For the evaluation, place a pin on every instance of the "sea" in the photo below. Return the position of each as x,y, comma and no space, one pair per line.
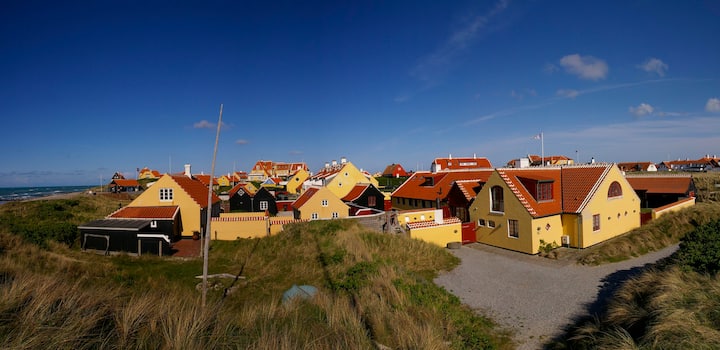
9,194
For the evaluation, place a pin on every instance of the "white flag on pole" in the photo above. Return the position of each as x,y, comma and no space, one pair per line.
538,136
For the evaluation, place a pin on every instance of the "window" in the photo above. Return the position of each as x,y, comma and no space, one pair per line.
544,191
615,190
335,215
496,198
481,222
314,216
263,205
513,228
491,224
372,201
324,203
596,222
166,194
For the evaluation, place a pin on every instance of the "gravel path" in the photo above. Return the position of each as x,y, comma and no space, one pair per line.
534,297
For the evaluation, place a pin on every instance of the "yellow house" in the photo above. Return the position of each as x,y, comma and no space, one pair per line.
429,225
146,173
319,203
225,181
188,193
296,180
340,178
576,206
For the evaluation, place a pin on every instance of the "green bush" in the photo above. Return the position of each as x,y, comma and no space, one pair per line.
700,248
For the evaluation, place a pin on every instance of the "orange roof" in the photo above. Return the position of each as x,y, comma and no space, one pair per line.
432,223
125,183
355,192
661,184
195,189
571,190
462,163
579,184
205,179
430,186
518,180
237,188
305,197
161,212
467,187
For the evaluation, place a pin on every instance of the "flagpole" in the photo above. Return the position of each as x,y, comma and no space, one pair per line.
542,148
206,247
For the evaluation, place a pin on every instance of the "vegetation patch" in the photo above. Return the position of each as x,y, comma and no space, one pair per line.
374,291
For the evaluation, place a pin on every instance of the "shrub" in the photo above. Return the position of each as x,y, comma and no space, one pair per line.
700,249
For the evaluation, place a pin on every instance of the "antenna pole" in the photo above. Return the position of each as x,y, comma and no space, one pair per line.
206,248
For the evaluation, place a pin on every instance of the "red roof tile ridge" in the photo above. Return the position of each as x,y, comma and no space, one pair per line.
592,191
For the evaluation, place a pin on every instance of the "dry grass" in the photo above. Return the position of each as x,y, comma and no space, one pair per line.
660,309
658,234
374,291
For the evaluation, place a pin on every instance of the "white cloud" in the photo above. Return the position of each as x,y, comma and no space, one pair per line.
242,142
567,93
204,124
585,67
642,110
654,65
713,105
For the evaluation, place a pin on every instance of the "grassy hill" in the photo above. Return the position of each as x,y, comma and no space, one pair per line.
374,291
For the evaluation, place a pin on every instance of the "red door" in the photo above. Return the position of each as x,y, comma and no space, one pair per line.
468,233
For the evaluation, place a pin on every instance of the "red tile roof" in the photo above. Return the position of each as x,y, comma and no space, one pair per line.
355,192
573,187
515,179
237,188
429,186
661,184
160,212
432,223
195,189
205,179
580,183
125,183
467,187
305,197
462,163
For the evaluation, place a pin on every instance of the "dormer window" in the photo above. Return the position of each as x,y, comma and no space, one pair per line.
544,191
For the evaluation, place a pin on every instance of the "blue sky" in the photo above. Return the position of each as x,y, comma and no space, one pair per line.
90,88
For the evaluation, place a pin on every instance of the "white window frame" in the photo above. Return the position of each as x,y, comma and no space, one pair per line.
324,202
166,194
263,205
335,215
314,216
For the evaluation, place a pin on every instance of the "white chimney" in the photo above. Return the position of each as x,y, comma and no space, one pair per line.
334,162
187,170
327,165
343,160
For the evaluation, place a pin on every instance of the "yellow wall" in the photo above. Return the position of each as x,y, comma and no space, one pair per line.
231,226
407,216
498,236
344,181
531,230
224,181
314,205
548,229
440,235
294,183
190,212
618,215
686,204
